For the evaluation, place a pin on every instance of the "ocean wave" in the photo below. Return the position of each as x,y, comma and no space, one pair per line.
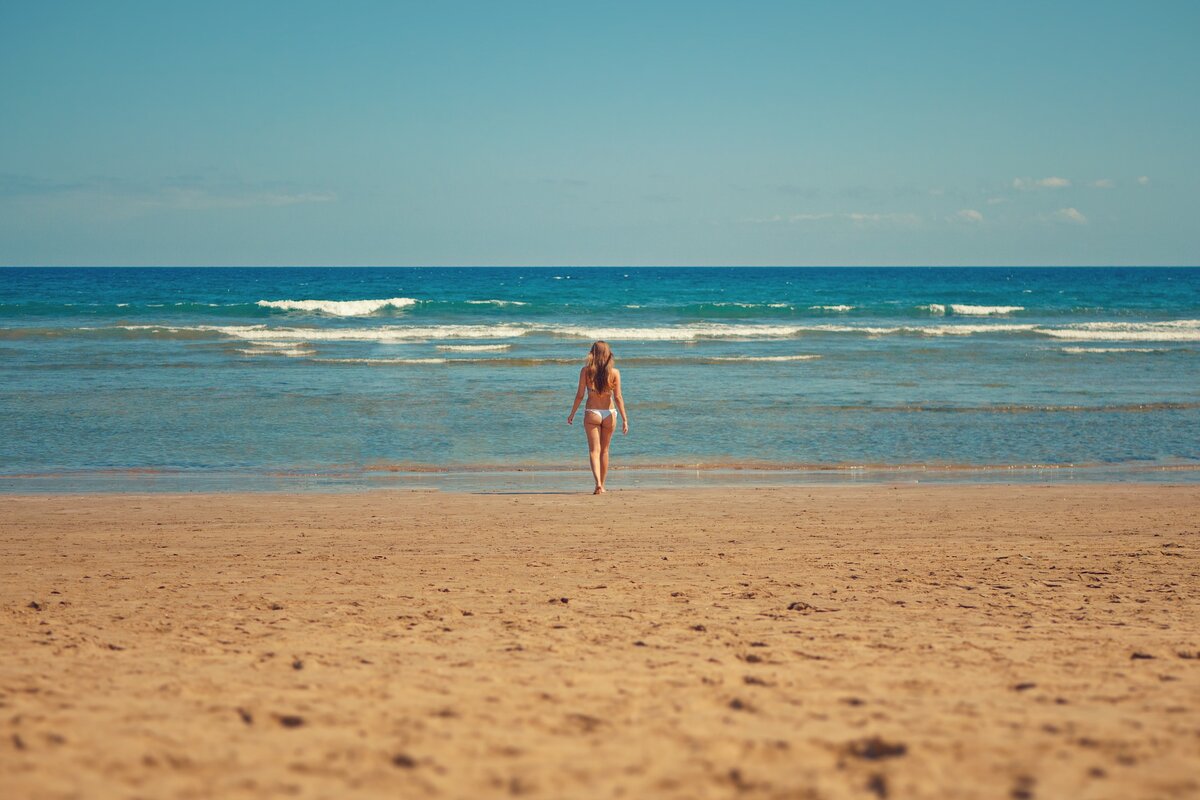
291,350
474,348
385,361
1177,330
839,308
964,310
513,330
535,361
729,304
1164,331
1086,350
391,333
497,303
339,308
723,359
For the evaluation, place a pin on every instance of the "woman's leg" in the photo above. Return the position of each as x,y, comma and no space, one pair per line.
592,429
606,433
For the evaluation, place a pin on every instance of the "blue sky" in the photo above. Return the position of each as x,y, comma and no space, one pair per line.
603,133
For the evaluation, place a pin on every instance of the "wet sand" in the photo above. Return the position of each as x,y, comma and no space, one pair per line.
833,642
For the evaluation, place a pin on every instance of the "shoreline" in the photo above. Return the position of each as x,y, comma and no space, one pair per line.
473,477
476,478
919,641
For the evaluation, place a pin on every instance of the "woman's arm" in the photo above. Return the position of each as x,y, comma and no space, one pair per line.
620,399
578,399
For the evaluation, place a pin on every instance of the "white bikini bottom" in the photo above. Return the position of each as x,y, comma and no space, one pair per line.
602,413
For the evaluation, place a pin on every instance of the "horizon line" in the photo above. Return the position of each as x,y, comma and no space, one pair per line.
600,266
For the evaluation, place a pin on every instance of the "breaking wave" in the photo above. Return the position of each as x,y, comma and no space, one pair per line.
339,308
964,310
1177,330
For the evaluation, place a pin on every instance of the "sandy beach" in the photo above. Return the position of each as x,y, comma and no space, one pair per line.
833,642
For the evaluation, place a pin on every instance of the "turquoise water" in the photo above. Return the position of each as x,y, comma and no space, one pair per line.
462,378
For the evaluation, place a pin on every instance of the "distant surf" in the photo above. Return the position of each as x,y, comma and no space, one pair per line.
339,308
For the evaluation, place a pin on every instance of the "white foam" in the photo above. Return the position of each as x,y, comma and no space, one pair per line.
968,330
832,308
1084,350
339,308
965,310
984,311
474,348
382,360
763,358
1177,330
497,303
693,332
678,333
391,333
293,352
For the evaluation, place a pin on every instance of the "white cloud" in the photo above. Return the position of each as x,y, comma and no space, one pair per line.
1052,182
968,215
861,217
1144,180
995,201
1103,183
1072,215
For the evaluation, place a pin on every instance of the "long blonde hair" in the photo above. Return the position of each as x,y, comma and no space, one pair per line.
599,368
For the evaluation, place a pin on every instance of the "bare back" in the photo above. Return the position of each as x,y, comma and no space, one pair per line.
601,400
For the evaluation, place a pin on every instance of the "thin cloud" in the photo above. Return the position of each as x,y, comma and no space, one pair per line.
1072,215
1103,183
968,215
1053,182
907,219
1143,180
185,192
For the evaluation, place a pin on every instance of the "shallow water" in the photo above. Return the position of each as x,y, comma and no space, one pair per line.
348,378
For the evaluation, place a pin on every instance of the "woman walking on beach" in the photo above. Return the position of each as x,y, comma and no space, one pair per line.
602,382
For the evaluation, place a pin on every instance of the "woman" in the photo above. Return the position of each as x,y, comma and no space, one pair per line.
602,382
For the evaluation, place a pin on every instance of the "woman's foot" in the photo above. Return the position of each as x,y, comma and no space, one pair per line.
599,490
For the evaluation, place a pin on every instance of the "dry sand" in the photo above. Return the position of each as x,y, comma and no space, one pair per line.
965,641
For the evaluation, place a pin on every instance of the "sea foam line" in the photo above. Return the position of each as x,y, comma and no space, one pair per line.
806,357
1085,350
965,310
534,361
1176,330
693,332
1163,331
339,308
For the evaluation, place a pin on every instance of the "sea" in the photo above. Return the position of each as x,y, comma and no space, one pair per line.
461,379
